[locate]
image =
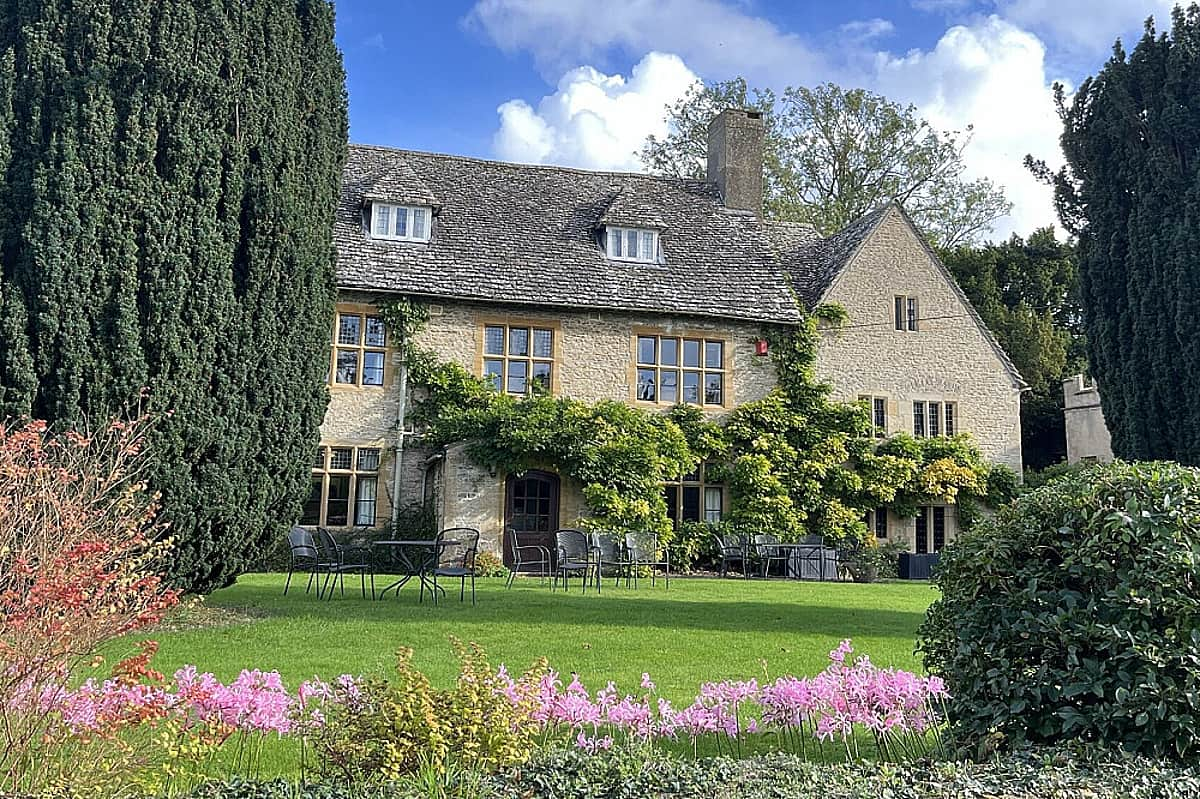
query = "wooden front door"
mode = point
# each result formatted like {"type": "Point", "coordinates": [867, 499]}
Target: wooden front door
{"type": "Point", "coordinates": [530, 511]}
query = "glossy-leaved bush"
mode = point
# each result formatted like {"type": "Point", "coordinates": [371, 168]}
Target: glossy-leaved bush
{"type": "Point", "coordinates": [1075, 614]}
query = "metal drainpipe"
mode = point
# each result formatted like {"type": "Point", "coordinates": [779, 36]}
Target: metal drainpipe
{"type": "Point", "coordinates": [401, 433]}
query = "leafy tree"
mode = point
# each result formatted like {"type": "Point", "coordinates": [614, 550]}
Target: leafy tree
{"type": "Point", "coordinates": [168, 175]}
{"type": "Point", "coordinates": [1027, 292]}
{"type": "Point", "coordinates": [1131, 192]}
{"type": "Point", "coordinates": [833, 154]}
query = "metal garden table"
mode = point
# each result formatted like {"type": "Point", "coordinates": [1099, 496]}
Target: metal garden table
{"type": "Point", "coordinates": [416, 557]}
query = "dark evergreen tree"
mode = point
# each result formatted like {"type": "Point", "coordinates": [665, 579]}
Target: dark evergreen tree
{"type": "Point", "coordinates": [1131, 191]}
{"type": "Point", "coordinates": [1027, 291]}
{"type": "Point", "coordinates": [170, 172]}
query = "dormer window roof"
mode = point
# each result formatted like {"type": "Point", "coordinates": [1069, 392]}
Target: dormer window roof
{"type": "Point", "coordinates": [639, 245]}
{"type": "Point", "coordinates": [393, 222]}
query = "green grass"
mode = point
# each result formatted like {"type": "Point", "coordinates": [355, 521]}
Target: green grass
{"type": "Point", "coordinates": [700, 629]}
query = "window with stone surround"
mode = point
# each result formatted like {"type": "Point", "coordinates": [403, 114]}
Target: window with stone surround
{"type": "Point", "coordinates": [877, 407]}
{"type": "Point", "coordinates": [877, 522]}
{"type": "Point", "coordinates": [675, 369]}
{"type": "Point", "coordinates": [931, 524]}
{"type": "Point", "coordinates": [695, 497]}
{"type": "Point", "coordinates": [359, 351]}
{"type": "Point", "coordinates": [345, 487]}
{"type": "Point", "coordinates": [907, 313]}
{"type": "Point", "coordinates": [519, 359]}
{"type": "Point", "coordinates": [932, 418]}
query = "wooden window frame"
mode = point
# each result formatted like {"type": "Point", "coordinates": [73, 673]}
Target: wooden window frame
{"type": "Point", "coordinates": [874, 403]}
{"type": "Point", "coordinates": [623, 231]}
{"type": "Point", "coordinates": [703, 484]}
{"type": "Point", "coordinates": [906, 313]}
{"type": "Point", "coordinates": [518, 322]}
{"type": "Point", "coordinates": [361, 348]}
{"type": "Point", "coordinates": [409, 212]}
{"type": "Point", "coordinates": [325, 472]}
{"type": "Point", "coordinates": [930, 517]}
{"type": "Point", "coordinates": [704, 338]}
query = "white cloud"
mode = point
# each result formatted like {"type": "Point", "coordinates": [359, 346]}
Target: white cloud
{"type": "Point", "coordinates": [711, 36]}
{"type": "Point", "coordinates": [593, 120]}
{"type": "Point", "coordinates": [1087, 25]}
{"type": "Point", "coordinates": [992, 75]}
{"type": "Point", "coordinates": [862, 30]}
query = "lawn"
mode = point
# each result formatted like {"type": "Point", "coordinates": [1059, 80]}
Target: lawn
{"type": "Point", "coordinates": [698, 630]}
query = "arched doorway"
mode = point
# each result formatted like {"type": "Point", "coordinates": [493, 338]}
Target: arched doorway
{"type": "Point", "coordinates": [530, 511]}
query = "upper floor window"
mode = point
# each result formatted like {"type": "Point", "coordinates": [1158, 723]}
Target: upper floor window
{"type": "Point", "coordinates": [518, 359]}
{"type": "Point", "coordinates": [877, 407]}
{"type": "Point", "coordinates": [672, 370]}
{"type": "Point", "coordinates": [631, 244]}
{"type": "Point", "coordinates": [933, 419]}
{"type": "Point", "coordinates": [359, 350]}
{"type": "Point", "coordinates": [907, 313]}
{"type": "Point", "coordinates": [400, 222]}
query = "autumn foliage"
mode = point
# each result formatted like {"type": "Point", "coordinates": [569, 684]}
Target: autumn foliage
{"type": "Point", "coordinates": [80, 554]}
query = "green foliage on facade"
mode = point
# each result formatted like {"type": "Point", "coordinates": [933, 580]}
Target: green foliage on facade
{"type": "Point", "coordinates": [1131, 192]}
{"type": "Point", "coordinates": [1027, 292]}
{"type": "Point", "coordinates": [795, 462]}
{"type": "Point", "coordinates": [168, 178]}
{"type": "Point", "coordinates": [1075, 615]}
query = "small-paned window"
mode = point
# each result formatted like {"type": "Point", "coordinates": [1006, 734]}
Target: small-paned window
{"type": "Point", "coordinates": [631, 244]}
{"type": "Point", "coordinates": [877, 407]}
{"type": "Point", "coordinates": [877, 522]}
{"type": "Point", "coordinates": [695, 497]}
{"type": "Point", "coordinates": [933, 419]}
{"type": "Point", "coordinates": [518, 359]}
{"type": "Point", "coordinates": [345, 487]}
{"type": "Point", "coordinates": [672, 370]}
{"type": "Point", "coordinates": [931, 519]}
{"type": "Point", "coordinates": [359, 350]}
{"type": "Point", "coordinates": [907, 314]}
{"type": "Point", "coordinates": [401, 222]}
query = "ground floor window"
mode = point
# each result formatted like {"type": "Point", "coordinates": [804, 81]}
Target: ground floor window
{"type": "Point", "coordinates": [345, 487]}
{"type": "Point", "coordinates": [877, 522]}
{"type": "Point", "coordinates": [931, 520]}
{"type": "Point", "coordinates": [695, 497]}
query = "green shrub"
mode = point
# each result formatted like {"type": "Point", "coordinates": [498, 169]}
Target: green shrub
{"type": "Point", "coordinates": [1075, 614]}
{"type": "Point", "coordinates": [693, 544]}
{"type": "Point", "coordinates": [875, 561]}
{"type": "Point", "coordinates": [401, 728]}
{"type": "Point", "coordinates": [489, 564]}
{"type": "Point", "coordinates": [1032, 774]}
{"type": "Point", "coordinates": [1036, 478]}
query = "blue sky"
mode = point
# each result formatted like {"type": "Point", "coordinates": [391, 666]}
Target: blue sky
{"type": "Point", "coordinates": [582, 82]}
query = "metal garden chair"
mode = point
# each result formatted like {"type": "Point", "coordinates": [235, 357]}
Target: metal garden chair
{"type": "Point", "coordinates": [644, 549]}
{"type": "Point", "coordinates": [609, 555]}
{"type": "Point", "coordinates": [768, 551]}
{"type": "Point", "coordinates": [342, 560]}
{"type": "Point", "coordinates": [303, 556]}
{"type": "Point", "coordinates": [732, 549]}
{"type": "Point", "coordinates": [457, 560]}
{"type": "Point", "coordinates": [575, 556]}
{"type": "Point", "coordinates": [525, 556]}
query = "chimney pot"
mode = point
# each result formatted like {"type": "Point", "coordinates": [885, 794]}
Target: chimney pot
{"type": "Point", "coordinates": [735, 158]}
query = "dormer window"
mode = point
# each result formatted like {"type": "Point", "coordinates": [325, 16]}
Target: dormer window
{"type": "Point", "coordinates": [631, 244]}
{"type": "Point", "coordinates": [400, 222]}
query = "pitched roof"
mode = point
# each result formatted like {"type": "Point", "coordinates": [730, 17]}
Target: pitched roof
{"type": "Point", "coordinates": [530, 235]}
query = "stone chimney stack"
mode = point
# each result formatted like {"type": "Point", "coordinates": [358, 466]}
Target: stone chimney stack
{"type": "Point", "coordinates": [735, 158]}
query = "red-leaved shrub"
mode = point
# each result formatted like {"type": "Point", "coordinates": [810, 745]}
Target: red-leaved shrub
{"type": "Point", "coordinates": [79, 550]}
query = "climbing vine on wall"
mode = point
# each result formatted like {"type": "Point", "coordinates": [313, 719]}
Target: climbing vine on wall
{"type": "Point", "coordinates": [795, 462]}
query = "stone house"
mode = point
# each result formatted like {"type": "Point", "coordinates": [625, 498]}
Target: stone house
{"type": "Point", "coordinates": [642, 289]}
{"type": "Point", "coordinates": [1088, 438]}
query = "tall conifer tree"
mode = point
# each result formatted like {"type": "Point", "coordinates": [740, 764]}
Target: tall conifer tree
{"type": "Point", "coordinates": [169, 176]}
{"type": "Point", "coordinates": [1131, 192]}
